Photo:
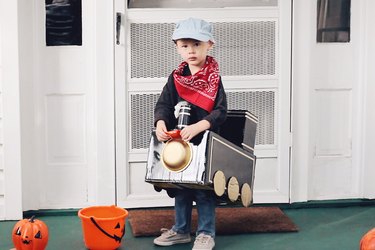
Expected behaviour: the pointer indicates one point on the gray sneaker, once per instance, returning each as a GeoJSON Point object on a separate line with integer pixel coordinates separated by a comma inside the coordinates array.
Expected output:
{"type": "Point", "coordinates": [204, 242]}
{"type": "Point", "coordinates": [170, 237]}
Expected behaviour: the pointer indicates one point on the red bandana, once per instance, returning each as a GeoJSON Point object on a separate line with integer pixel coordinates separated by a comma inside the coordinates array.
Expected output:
{"type": "Point", "coordinates": [201, 88]}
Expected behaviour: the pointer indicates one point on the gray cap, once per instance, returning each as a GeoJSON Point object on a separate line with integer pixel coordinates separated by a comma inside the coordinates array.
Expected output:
{"type": "Point", "coordinates": [193, 28]}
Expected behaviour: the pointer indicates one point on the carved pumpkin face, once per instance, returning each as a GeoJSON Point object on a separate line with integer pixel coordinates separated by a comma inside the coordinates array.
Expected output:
{"type": "Point", "coordinates": [30, 234]}
{"type": "Point", "coordinates": [119, 231]}
{"type": "Point", "coordinates": [115, 232]}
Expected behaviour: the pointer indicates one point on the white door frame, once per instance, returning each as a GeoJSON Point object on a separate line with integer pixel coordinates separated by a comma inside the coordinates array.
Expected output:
{"type": "Point", "coordinates": [120, 97]}
{"type": "Point", "coordinates": [282, 191]}
{"type": "Point", "coordinates": [105, 192]}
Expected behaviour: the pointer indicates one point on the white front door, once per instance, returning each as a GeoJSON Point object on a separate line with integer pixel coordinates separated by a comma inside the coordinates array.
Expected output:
{"type": "Point", "coordinates": [69, 161]}
{"type": "Point", "coordinates": [253, 51]}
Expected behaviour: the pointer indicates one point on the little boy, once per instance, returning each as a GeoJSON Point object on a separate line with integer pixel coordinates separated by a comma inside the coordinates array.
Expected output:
{"type": "Point", "coordinates": [197, 81]}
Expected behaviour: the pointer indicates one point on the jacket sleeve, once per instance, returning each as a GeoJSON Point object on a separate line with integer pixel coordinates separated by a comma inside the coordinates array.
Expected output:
{"type": "Point", "coordinates": [219, 113]}
{"type": "Point", "coordinates": [164, 107]}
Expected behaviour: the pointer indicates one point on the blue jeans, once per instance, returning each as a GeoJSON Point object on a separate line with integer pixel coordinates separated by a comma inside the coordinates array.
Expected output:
{"type": "Point", "coordinates": [206, 203]}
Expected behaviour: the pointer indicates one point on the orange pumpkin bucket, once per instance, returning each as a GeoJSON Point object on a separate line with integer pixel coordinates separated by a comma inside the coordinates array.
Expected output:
{"type": "Point", "coordinates": [103, 226]}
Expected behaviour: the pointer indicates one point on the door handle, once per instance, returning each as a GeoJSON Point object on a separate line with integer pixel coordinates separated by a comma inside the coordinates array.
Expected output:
{"type": "Point", "coordinates": [118, 27]}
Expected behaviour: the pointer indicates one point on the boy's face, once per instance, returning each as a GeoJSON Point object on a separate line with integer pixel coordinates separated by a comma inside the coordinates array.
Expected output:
{"type": "Point", "coordinates": [193, 52]}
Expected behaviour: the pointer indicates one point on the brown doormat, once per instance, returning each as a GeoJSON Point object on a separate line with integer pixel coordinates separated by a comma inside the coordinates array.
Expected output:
{"type": "Point", "coordinates": [229, 220]}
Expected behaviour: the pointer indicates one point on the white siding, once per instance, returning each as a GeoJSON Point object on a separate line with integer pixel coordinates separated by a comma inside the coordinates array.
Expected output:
{"type": "Point", "coordinates": [368, 100]}
{"type": "Point", "coordinates": [10, 163]}
{"type": "Point", "coordinates": [1, 135]}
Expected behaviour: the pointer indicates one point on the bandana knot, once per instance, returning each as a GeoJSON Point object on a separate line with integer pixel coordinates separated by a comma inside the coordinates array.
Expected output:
{"type": "Point", "coordinates": [201, 88]}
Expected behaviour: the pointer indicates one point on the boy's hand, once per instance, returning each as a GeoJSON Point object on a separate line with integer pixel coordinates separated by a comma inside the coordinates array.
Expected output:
{"type": "Point", "coordinates": [161, 128]}
{"type": "Point", "coordinates": [190, 131]}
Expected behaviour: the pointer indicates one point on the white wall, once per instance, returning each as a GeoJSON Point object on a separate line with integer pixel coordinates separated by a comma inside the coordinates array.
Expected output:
{"type": "Point", "coordinates": [2, 185]}
{"type": "Point", "coordinates": [341, 70]}
{"type": "Point", "coordinates": [368, 128]}
{"type": "Point", "coordinates": [328, 117]}
{"type": "Point", "coordinates": [30, 170]}
{"type": "Point", "coordinates": [303, 33]}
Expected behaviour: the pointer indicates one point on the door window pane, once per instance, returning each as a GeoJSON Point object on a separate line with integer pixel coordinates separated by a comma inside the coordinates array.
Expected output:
{"type": "Point", "coordinates": [63, 22]}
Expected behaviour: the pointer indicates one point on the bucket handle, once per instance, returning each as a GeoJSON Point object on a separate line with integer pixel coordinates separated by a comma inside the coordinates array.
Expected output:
{"type": "Point", "coordinates": [115, 237]}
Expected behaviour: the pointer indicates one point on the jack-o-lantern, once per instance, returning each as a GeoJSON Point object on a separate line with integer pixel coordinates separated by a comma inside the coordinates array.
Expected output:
{"type": "Point", "coordinates": [103, 226]}
{"type": "Point", "coordinates": [368, 241]}
{"type": "Point", "coordinates": [30, 234]}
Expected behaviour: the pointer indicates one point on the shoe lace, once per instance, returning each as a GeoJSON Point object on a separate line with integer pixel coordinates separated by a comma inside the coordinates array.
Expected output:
{"type": "Point", "coordinates": [203, 238]}
{"type": "Point", "coordinates": [167, 232]}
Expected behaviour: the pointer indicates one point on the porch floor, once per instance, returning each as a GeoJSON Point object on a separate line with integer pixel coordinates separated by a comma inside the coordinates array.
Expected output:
{"type": "Point", "coordinates": [321, 226]}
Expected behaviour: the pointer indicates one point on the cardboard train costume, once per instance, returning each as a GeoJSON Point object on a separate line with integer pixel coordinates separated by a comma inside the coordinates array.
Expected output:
{"type": "Point", "coordinates": [222, 161]}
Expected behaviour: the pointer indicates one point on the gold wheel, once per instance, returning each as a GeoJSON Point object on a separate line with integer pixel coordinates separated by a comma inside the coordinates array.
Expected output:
{"type": "Point", "coordinates": [246, 195]}
{"type": "Point", "coordinates": [233, 189]}
{"type": "Point", "coordinates": [219, 183]}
